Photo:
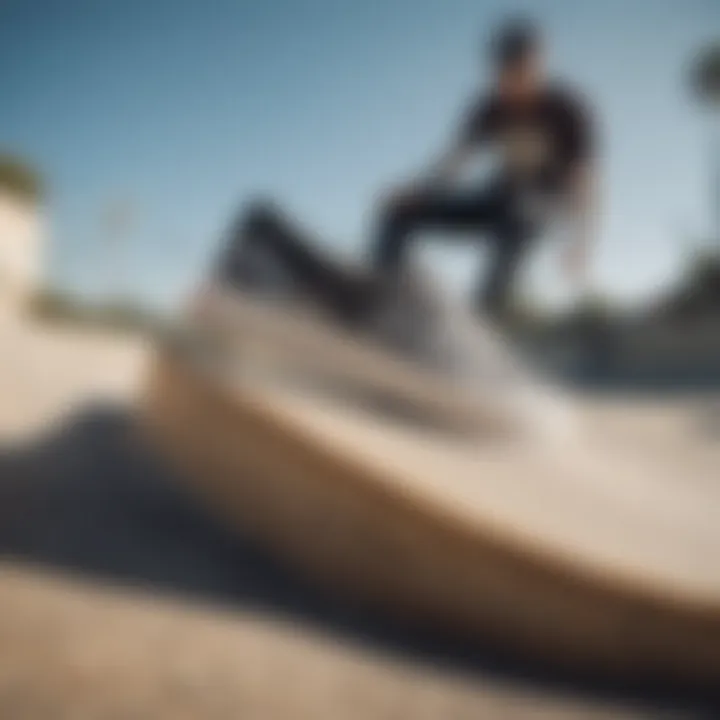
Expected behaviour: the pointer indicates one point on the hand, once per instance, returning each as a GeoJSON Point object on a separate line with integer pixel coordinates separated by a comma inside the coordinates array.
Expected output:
{"type": "Point", "coordinates": [575, 262]}
{"type": "Point", "coordinates": [404, 195]}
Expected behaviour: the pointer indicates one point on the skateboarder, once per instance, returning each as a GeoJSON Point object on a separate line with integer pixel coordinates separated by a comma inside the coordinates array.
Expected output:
{"type": "Point", "coordinates": [542, 133]}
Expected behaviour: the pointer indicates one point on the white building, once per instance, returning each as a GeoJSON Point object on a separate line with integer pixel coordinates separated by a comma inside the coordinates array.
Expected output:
{"type": "Point", "coordinates": [21, 251]}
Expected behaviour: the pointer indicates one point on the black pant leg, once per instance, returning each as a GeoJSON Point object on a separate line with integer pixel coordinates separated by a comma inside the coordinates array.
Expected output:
{"type": "Point", "coordinates": [340, 292]}
{"type": "Point", "coordinates": [493, 212]}
{"type": "Point", "coordinates": [493, 294]}
{"type": "Point", "coordinates": [399, 221]}
{"type": "Point", "coordinates": [509, 241]}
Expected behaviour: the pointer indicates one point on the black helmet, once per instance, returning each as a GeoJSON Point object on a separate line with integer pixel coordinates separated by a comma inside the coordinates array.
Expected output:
{"type": "Point", "coordinates": [514, 41]}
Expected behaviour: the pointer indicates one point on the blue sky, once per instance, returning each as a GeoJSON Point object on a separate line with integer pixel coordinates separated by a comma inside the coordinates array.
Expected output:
{"type": "Point", "coordinates": [184, 108]}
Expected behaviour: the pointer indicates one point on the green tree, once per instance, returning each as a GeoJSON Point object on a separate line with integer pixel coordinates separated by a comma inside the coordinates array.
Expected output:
{"type": "Point", "coordinates": [19, 178]}
{"type": "Point", "coordinates": [705, 74]}
{"type": "Point", "coordinates": [705, 82]}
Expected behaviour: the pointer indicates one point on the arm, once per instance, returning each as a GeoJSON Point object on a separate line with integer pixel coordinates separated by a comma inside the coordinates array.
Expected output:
{"type": "Point", "coordinates": [476, 126]}
{"type": "Point", "coordinates": [440, 174]}
{"type": "Point", "coordinates": [582, 196]}
{"type": "Point", "coordinates": [450, 165]}
{"type": "Point", "coordinates": [582, 203]}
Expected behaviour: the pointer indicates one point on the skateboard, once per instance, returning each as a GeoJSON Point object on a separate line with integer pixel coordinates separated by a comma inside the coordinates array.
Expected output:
{"type": "Point", "coordinates": [579, 554]}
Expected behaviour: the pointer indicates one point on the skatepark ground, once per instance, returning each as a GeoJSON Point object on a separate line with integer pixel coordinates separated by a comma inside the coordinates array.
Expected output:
{"type": "Point", "coordinates": [119, 597]}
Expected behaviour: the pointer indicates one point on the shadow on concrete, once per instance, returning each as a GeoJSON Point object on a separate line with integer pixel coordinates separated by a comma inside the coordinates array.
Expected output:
{"type": "Point", "coordinates": [88, 497]}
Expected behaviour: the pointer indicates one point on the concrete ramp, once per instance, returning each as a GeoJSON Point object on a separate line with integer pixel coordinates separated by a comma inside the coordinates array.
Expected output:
{"type": "Point", "coordinates": [47, 372]}
{"type": "Point", "coordinates": [581, 555]}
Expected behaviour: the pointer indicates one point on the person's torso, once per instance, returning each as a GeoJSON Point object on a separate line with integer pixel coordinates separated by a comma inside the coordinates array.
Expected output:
{"type": "Point", "coordinates": [536, 141]}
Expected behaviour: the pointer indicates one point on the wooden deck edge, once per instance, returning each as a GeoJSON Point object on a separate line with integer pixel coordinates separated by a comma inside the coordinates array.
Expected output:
{"type": "Point", "coordinates": [331, 518]}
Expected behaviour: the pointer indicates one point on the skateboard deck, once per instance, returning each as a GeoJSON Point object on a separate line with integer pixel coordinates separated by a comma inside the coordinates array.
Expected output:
{"type": "Point", "coordinates": [246, 339]}
{"type": "Point", "coordinates": [579, 554]}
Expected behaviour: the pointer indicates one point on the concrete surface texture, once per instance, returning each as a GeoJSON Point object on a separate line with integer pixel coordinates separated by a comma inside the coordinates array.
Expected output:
{"type": "Point", "coordinates": [45, 372]}
{"type": "Point", "coordinates": [75, 652]}
{"type": "Point", "coordinates": [212, 626]}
